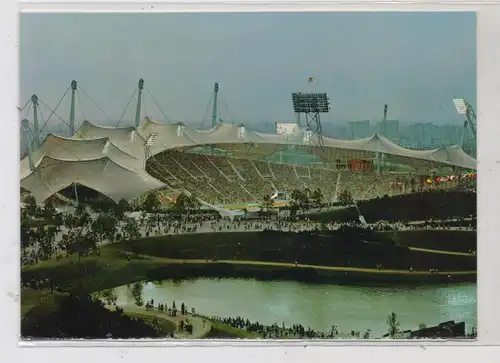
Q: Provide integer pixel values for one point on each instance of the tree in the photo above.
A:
(31, 207)
(120, 208)
(393, 323)
(317, 196)
(109, 296)
(58, 221)
(182, 203)
(267, 202)
(345, 198)
(151, 203)
(45, 237)
(80, 238)
(104, 226)
(83, 244)
(64, 243)
(49, 210)
(299, 198)
(131, 229)
(136, 291)
(27, 235)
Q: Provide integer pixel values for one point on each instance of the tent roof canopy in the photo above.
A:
(112, 160)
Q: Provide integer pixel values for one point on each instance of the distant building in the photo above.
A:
(425, 135)
(358, 129)
(451, 134)
(392, 130)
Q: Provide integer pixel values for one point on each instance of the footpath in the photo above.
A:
(201, 326)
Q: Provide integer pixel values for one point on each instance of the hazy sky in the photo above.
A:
(414, 62)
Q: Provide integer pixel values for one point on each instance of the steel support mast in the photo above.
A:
(380, 156)
(27, 141)
(72, 109)
(214, 107)
(139, 101)
(470, 115)
(464, 108)
(36, 126)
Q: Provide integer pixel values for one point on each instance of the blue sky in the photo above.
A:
(414, 62)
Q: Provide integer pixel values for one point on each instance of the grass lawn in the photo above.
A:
(93, 273)
(31, 298)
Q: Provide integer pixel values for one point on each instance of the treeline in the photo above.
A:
(437, 204)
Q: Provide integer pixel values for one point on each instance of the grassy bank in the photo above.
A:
(94, 273)
(319, 249)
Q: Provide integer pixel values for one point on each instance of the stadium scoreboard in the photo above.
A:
(310, 102)
(286, 129)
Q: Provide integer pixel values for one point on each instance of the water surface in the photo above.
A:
(317, 305)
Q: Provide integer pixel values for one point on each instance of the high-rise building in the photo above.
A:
(389, 130)
(426, 135)
(392, 130)
(358, 129)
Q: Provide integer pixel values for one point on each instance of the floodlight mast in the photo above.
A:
(311, 105)
(36, 126)
(464, 108)
(214, 106)
(27, 141)
(72, 109)
(140, 87)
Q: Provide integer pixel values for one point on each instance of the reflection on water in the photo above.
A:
(316, 306)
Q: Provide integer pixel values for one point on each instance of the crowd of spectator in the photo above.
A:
(225, 180)
(275, 331)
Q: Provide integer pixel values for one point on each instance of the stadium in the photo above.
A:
(106, 207)
(229, 166)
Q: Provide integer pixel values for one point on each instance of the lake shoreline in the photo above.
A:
(347, 307)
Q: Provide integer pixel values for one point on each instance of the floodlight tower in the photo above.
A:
(311, 105)
(36, 126)
(214, 107)
(139, 100)
(464, 108)
(72, 109)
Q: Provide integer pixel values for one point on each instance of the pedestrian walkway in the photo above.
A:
(201, 326)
